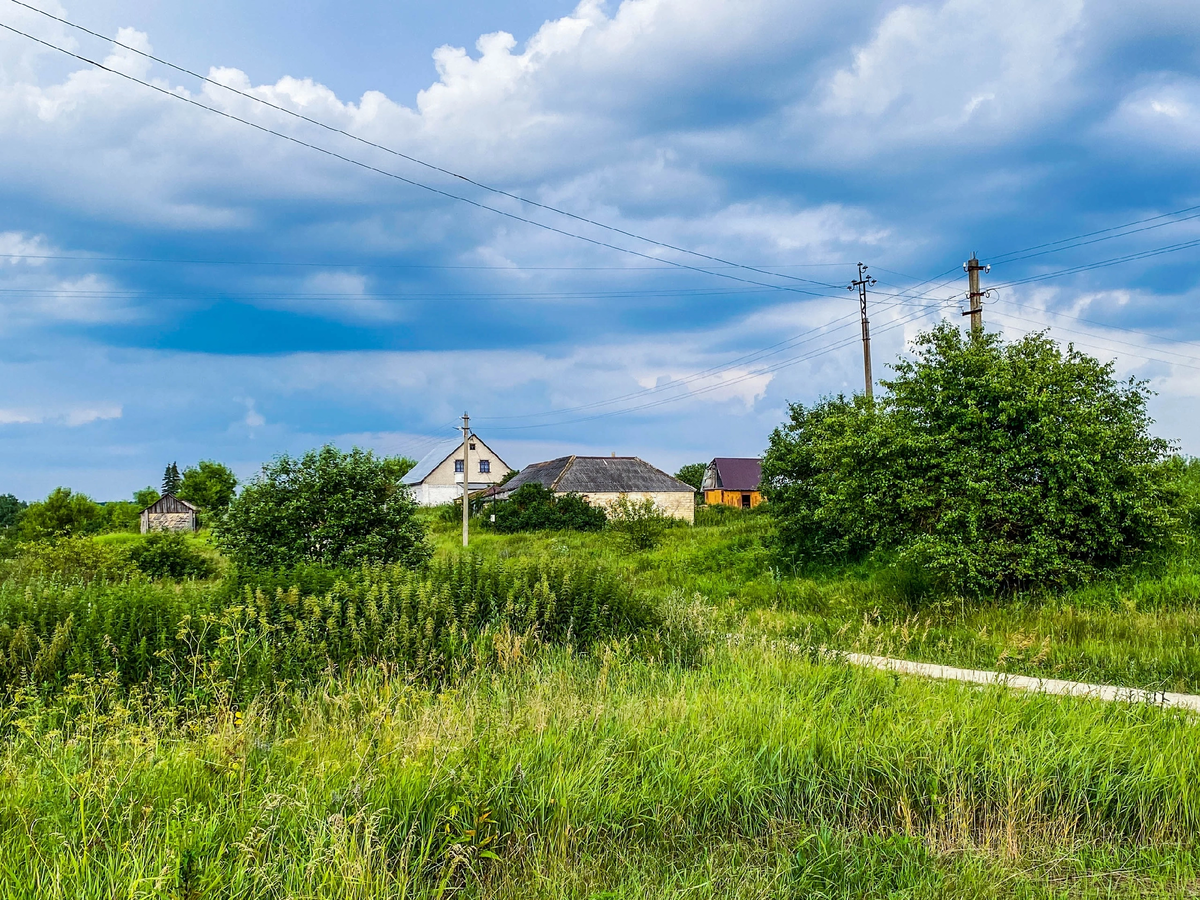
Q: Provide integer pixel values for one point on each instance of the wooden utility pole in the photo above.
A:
(466, 427)
(973, 268)
(864, 280)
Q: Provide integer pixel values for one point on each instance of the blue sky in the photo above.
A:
(175, 285)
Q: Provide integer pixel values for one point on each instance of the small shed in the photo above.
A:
(733, 481)
(169, 513)
(602, 479)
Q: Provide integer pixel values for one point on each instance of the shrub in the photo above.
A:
(62, 514)
(168, 554)
(640, 523)
(992, 466)
(329, 507)
(534, 507)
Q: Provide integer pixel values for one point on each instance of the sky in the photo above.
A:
(605, 228)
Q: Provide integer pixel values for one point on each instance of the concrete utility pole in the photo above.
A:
(466, 427)
(973, 268)
(864, 280)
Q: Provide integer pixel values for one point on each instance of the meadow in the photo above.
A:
(691, 739)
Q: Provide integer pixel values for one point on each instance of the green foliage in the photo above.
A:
(62, 514)
(121, 515)
(169, 554)
(72, 560)
(534, 507)
(10, 510)
(428, 622)
(994, 467)
(147, 496)
(208, 485)
(640, 523)
(693, 474)
(716, 514)
(398, 466)
(329, 507)
(171, 481)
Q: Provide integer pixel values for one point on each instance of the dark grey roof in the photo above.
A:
(169, 503)
(596, 475)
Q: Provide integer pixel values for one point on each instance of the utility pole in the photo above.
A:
(975, 295)
(865, 280)
(466, 427)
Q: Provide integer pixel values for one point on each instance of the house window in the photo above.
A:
(745, 501)
(458, 465)
(485, 466)
(472, 446)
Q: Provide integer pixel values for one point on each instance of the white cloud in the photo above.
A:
(71, 417)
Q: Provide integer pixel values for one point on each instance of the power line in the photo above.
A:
(1004, 257)
(431, 166)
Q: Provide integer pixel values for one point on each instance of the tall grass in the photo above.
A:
(202, 639)
(550, 778)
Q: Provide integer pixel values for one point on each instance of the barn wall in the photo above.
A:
(732, 498)
(168, 522)
(677, 504)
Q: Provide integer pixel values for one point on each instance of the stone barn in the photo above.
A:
(602, 479)
(169, 513)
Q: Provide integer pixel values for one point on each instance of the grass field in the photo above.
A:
(745, 767)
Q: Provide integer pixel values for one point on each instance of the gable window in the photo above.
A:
(458, 465)
(485, 466)
(472, 445)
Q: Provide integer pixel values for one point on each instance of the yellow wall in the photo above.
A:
(732, 498)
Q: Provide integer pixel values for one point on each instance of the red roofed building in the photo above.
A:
(733, 481)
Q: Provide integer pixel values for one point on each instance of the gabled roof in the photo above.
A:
(597, 475)
(169, 503)
(737, 473)
(430, 461)
(438, 455)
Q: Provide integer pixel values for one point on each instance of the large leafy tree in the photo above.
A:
(993, 466)
(208, 485)
(10, 510)
(62, 514)
(693, 474)
(328, 507)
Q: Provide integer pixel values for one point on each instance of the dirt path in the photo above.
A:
(1026, 683)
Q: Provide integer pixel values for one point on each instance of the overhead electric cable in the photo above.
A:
(409, 181)
(408, 157)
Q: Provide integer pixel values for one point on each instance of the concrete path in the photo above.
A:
(1026, 683)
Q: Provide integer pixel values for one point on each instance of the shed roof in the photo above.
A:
(597, 475)
(736, 473)
(169, 503)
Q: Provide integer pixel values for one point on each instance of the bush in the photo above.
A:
(640, 523)
(534, 507)
(169, 554)
(994, 467)
(62, 514)
(203, 639)
(78, 560)
(329, 507)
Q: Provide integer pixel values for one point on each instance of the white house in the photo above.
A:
(438, 478)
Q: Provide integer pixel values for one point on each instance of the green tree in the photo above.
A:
(10, 510)
(171, 480)
(398, 466)
(62, 514)
(147, 496)
(990, 466)
(693, 474)
(328, 507)
(208, 485)
(121, 515)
